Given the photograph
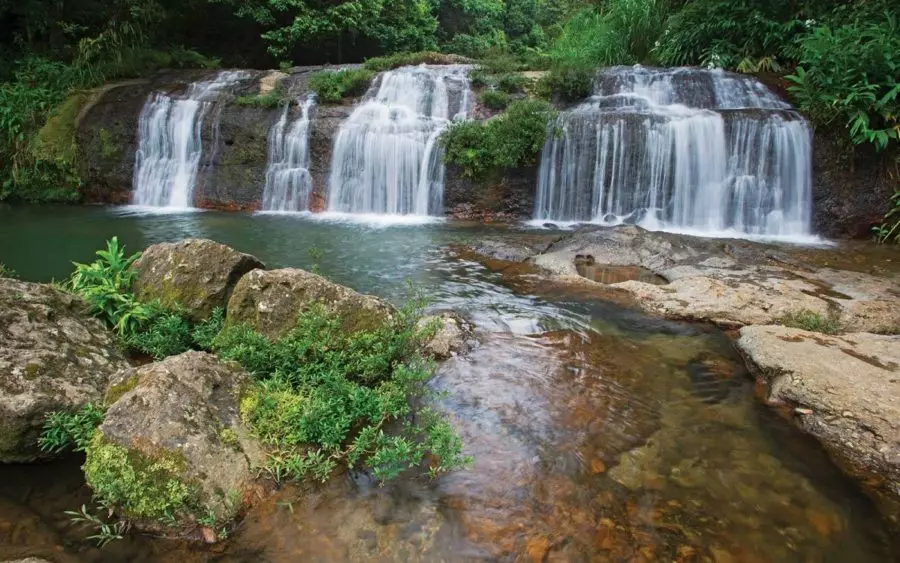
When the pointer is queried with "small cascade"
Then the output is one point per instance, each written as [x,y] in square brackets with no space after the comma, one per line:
[170,144]
[386,157]
[288,182]
[682,149]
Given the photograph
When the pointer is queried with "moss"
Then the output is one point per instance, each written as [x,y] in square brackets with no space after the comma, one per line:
[141,486]
[230,438]
[32,370]
[55,141]
[115,392]
[108,148]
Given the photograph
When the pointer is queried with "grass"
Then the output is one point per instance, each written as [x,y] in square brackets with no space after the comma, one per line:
[332,86]
[494,99]
[389,62]
[269,100]
[811,321]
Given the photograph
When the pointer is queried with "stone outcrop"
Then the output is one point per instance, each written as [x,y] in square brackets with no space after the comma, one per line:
[183,411]
[53,356]
[195,274]
[452,335]
[270,301]
[846,392]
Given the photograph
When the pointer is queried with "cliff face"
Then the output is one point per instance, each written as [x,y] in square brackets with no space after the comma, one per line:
[850,192]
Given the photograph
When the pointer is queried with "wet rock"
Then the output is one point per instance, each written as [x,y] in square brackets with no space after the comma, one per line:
[53,356]
[829,377]
[451,337]
[184,413]
[271,300]
[196,274]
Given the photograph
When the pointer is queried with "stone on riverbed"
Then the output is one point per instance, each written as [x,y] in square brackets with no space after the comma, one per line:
[173,430]
[195,274]
[271,300]
[846,390]
[53,356]
[451,335]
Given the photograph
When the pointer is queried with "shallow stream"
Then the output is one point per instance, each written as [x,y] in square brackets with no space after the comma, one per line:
[598,433]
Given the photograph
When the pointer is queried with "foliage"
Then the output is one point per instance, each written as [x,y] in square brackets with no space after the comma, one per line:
[389,62]
[270,99]
[106,285]
[334,85]
[140,486]
[163,334]
[494,99]
[205,332]
[105,532]
[889,230]
[324,396]
[815,322]
[64,430]
[7,272]
[509,140]
[569,84]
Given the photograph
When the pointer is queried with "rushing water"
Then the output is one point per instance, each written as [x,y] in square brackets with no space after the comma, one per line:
[681,149]
[170,144]
[599,434]
[386,156]
[288,182]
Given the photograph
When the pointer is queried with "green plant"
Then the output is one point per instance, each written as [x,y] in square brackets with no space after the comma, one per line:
[271,99]
[570,84]
[815,322]
[64,430]
[512,82]
[106,532]
[7,272]
[204,333]
[334,85]
[162,334]
[494,99]
[889,230]
[389,62]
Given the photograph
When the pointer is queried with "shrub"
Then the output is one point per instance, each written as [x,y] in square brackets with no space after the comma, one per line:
[389,62]
[568,84]
[165,333]
[494,99]
[815,322]
[512,82]
[509,140]
[889,230]
[7,272]
[334,85]
[269,100]
[64,430]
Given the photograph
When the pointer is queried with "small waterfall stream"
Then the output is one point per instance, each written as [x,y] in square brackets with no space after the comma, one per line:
[170,144]
[288,182]
[386,158]
[683,149]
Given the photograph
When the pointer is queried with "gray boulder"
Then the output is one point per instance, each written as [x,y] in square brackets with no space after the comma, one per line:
[53,356]
[271,300]
[196,274]
[452,334]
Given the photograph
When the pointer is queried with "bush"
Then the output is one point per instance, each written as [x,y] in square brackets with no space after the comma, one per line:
[332,86]
[389,62]
[568,84]
[512,139]
[494,99]
[64,430]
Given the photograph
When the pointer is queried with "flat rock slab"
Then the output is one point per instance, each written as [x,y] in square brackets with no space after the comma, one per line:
[846,390]
[197,275]
[53,356]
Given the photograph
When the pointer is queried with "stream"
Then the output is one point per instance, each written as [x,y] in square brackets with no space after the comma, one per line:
[598,433]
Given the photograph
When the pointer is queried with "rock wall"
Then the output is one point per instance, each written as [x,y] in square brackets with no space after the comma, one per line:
[850,192]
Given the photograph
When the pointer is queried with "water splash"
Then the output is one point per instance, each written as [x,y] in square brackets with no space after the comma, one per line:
[170,144]
[288,182]
[689,149]
[386,156]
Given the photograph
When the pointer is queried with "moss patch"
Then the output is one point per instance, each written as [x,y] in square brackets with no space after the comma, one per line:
[115,392]
[55,141]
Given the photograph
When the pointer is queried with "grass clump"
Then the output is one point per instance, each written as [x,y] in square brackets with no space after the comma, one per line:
[334,85]
[512,139]
[494,99]
[7,272]
[812,321]
[75,430]
[269,100]
[389,62]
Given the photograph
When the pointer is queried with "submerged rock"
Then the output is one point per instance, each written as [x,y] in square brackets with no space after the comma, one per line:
[846,390]
[271,300]
[451,336]
[172,444]
[53,356]
[196,274]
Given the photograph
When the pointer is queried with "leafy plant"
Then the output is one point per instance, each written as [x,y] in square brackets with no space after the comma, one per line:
[494,99]
[889,230]
[64,430]
[815,322]
[7,272]
[334,85]
[163,334]
[106,532]
[389,62]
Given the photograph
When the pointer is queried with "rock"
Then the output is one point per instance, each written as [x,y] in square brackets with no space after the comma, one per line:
[271,300]
[452,335]
[196,274]
[182,413]
[829,377]
[53,356]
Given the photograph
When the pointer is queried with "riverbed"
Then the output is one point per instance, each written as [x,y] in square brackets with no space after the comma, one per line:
[598,433]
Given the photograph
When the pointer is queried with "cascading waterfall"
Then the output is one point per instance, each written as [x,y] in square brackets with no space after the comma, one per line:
[288,182]
[170,144]
[386,156]
[682,149]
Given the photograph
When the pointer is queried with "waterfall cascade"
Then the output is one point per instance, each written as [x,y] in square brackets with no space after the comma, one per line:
[288,182]
[170,144]
[685,149]
[386,157]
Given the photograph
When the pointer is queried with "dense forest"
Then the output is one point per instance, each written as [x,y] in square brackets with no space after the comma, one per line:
[840,61]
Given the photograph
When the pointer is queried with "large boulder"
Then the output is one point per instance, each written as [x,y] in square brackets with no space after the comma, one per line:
[53,356]
[172,443]
[846,392]
[271,300]
[195,274]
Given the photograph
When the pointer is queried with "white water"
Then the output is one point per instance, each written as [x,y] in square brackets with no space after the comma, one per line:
[685,149]
[386,157]
[288,182]
[170,144]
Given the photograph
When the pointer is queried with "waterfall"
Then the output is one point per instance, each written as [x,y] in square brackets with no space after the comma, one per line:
[170,144]
[682,149]
[386,156]
[288,183]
